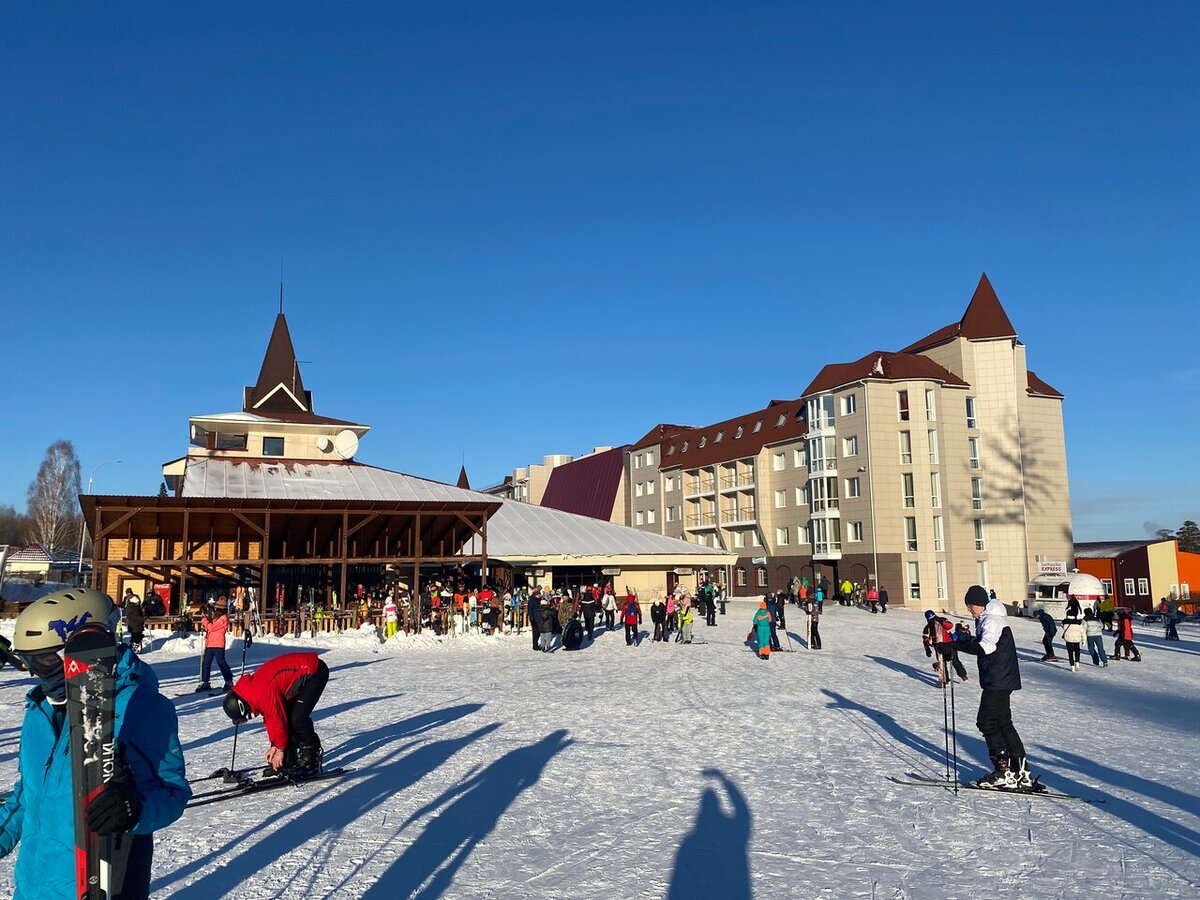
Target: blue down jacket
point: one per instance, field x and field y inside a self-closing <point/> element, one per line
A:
<point x="39" y="813"/>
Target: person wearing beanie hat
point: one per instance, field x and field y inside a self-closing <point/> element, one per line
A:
<point x="938" y="635"/>
<point x="996" y="652"/>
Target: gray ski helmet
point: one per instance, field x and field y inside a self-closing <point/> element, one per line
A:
<point x="236" y="708"/>
<point x="46" y="624"/>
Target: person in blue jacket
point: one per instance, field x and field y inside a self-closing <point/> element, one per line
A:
<point x="149" y="790"/>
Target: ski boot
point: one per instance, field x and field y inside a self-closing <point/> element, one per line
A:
<point x="1022" y="780"/>
<point x="203" y="688"/>
<point x="227" y="687"/>
<point x="1001" y="778"/>
<point x="286" y="770"/>
<point x="308" y="760"/>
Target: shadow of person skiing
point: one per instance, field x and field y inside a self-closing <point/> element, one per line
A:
<point x="462" y="817"/>
<point x="364" y="743"/>
<point x="714" y="858"/>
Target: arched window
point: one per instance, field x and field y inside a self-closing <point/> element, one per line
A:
<point x="761" y="572"/>
<point x="740" y="575"/>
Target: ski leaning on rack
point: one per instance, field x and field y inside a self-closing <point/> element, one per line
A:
<point x="266" y="783"/>
<point x="914" y="780"/>
<point x="89" y="659"/>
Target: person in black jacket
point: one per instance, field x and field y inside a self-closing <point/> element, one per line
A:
<point x="658" y="615"/>
<point x="135" y="619"/>
<point x="1049" y="629"/>
<point x="589" y="605"/>
<point x="531" y="610"/>
<point x="999" y="676"/>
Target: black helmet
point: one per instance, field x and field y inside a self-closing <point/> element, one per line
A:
<point x="237" y="708"/>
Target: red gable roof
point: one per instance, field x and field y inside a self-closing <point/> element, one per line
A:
<point x="882" y="366"/>
<point x="587" y="486"/>
<point x="984" y="318"/>
<point x="1039" y="388"/>
<point x="735" y="438"/>
<point x="658" y="434"/>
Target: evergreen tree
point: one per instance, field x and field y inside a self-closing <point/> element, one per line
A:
<point x="1188" y="536"/>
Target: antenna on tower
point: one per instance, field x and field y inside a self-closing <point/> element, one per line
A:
<point x="281" y="285"/>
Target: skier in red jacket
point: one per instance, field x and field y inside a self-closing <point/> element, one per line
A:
<point x="284" y="691"/>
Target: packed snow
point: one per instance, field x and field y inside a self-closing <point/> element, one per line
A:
<point x="481" y="769"/>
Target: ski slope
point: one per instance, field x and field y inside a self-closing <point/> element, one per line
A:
<point x="484" y="770"/>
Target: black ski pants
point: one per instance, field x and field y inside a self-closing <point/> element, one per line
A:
<point x="996" y="725"/>
<point x="300" y="708"/>
<point x="1072" y="654"/>
<point x="610" y="619"/>
<point x="589" y="622"/>
<point x="631" y="632"/>
<point x="1048" y="644"/>
<point x="660" y="633"/>
<point x="814" y="635"/>
<point x="533" y="624"/>
<point x="138" y="869"/>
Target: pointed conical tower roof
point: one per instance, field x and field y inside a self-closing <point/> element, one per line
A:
<point x="985" y="317"/>
<point x="462" y="479"/>
<point x="279" y="387"/>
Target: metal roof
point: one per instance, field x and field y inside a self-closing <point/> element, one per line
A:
<point x="302" y="480"/>
<point x="587" y="486"/>
<point x="523" y="531"/>
<point x="1108" y="549"/>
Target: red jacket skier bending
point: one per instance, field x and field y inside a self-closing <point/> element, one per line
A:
<point x="284" y="691"/>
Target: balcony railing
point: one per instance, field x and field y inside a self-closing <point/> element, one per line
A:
<point x="696" y="488"/>
<point x="701" y="520"/>
<point x="745" y="480"/>
<point x="827" y="549"/>
<point x="739" y="516"/>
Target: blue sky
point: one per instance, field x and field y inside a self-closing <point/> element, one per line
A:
<point x="515" y="229"/>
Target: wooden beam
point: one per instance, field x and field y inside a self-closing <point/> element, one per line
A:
<point x="119" y="522"/>
<point x="367" y="520"/>
<point x="249" y="523"/>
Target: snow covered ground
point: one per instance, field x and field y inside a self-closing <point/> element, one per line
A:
<point x="484" y="770"/>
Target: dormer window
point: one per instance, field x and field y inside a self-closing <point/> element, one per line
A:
<point x="683" y="449"/>
<point x="717" y="439"/>
<point x="779" y="422"/>
<point x="703" y="441"/>
<point x="737" y="434"/>
<point x="758" y="426"/>
<point x="671" y="450"/>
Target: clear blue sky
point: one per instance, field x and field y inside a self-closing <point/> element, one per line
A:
<point x="515" y="229"/>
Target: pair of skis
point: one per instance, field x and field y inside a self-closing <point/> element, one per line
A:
<point x="913" y="779"/>
<point x="241" y="785"/>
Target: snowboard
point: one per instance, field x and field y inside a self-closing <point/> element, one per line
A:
<point x="89" y="661"/>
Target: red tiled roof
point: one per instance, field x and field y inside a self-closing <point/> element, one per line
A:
<point x="1039" y="388"/>
<point x="587" y="486"/>
<point x="734" y="438"/>
<point x="657" y="435"/>
<point x="882" y="366"/>
<point x="984" y="318"/>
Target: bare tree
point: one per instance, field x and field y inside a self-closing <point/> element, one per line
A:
<point x="52" y="498"/>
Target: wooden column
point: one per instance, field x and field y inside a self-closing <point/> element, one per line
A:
<point x="483" y="570"/>
<point x="266" y="566"/>
<point x="184" y="567"/>
<point x="416" y="585"/>
<point x="345" y="557"/>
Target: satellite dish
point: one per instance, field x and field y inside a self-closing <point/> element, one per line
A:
<point x="345" y="444"/>
<point x="324" y="444"/>
<point x="194" y="433"/>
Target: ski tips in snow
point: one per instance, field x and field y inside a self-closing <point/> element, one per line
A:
<point x="1039" y="789"/>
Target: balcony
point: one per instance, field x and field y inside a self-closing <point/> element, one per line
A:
<point x="827" y="550"/>
<point x="817" y="468"/>
<point x="744" y="516"/>
<point x="701" y="521"/>
<point x="736" y="482"/>
<point x="825" y="509"/>
<point x="698" y="488"/>
<point x="820" y="425"/>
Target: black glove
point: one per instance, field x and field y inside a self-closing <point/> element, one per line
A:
<point x="115" y="809"/>
<point x="928" y="653"/>
<point x="248" y="640"/>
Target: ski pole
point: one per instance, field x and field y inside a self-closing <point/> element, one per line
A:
<point x="945" y="715"/>
<point x="953" y="733"/>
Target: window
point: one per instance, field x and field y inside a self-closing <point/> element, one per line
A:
<point x="976" y="493"/>
<point x="740" y="574"/>
<point x="1144" y="587"/>
<point x="1107" y="585"/>
<point x="849" y="404"/>
<point x="683" y="449"/>
<point x="938" y="539"/>
<point x="981" y="573"/>
<point x="780" y="499"/>
<point x="940" y="568"/>
<point x="781" y="421"/>
<point x="200" y="437"/>
<point x="1128" y="587"/>
<point x="902" y="405"/>
<point x="737" y="434"/>
<point x="798" y="458"/>
<point x="972" y="421"/>
<point x="930" y="406"/>
<point x="757" y="426"/>
<point x="232" y="441"/>
<point x="754" y="541"/>
<point x="739" y="539"/>
<point x="640" y="518"/>
<point x="800" y="499"/>
<point x="973" y="453"/>
<point x="782" y="537"/>
<point x="935" y="490"/>
<point x="649" y="487"/>
<point x="906" y="448"/>
<point x="649" y="517"/>
<point x="914" y="581"/>
<point x="702" y="442"/>
<point x="910" y="534"/>
<point x="649" y="457"/>
<point x="933" y="448"/>
<point x="906" y="488"/>
<point x="637" y="460"/>
<point x="670" y="513"/>
<point x="639" y="489"/>
<point x="719" y="437"/>
<point x="777" y="462"/>
<point x="272" y="446"/>
<point x="855" y="534"/>
<point x="850" y="446"/>
<point x="761" y="576"/>
<point x="671" y="450"/>
<point x="853" y="488"/>
<point x="669" y="483"/>
<point x="980" y="541"/>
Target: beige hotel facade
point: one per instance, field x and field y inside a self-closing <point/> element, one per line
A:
<point x="923" y="471"/>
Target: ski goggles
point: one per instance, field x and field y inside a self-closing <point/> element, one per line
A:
<point x="43" y="664"/>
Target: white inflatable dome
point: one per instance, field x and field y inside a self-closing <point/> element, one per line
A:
<point x="1085" y="587"/>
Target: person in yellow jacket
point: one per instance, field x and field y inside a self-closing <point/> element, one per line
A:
<point x="685" y="623"/>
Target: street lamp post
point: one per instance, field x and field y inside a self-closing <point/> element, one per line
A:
<point x="83" y="524"/>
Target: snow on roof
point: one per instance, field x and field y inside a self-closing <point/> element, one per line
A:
<point x="295" y="480"/>
<point x="524" y="531"/>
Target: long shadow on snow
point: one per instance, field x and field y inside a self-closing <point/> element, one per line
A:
<point x="367" y="789"/>
<point x="360" y="745"/>
<point x="905" y="669"/>
<point x="1153" y="824"/>
<point x="714" y="858"/>
<point x="463" y="816"/>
